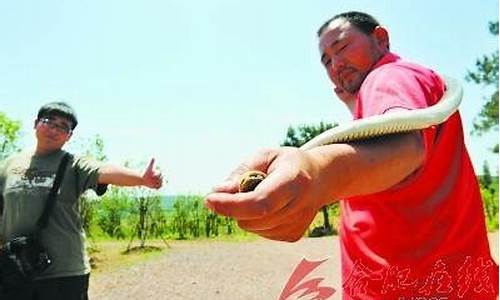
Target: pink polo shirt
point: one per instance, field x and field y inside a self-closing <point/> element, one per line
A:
<point x="425" y="237"/>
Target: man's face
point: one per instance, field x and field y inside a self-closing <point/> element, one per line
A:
<point x="348" y="54"/>
<point x="52" y="132"/>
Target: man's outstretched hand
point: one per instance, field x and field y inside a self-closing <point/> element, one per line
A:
<point x="151" y="177"/>
<point x="283" y="205"/>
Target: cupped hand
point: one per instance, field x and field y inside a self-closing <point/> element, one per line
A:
<point x="283" y="205"/>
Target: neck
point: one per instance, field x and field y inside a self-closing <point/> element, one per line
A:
<point x="41" y="151"/>
<point x="351" y="105"/>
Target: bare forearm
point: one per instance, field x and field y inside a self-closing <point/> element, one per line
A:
<point x="367" y="167"/>
<point x="121" y="176"/>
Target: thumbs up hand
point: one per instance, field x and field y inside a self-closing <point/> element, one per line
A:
<point x="151" y="177"/>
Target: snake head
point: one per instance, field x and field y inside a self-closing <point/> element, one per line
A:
<point x="250" y="179"/>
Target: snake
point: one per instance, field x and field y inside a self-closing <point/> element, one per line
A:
<point x="395" y="122"/>
<point x="391" y="123"/>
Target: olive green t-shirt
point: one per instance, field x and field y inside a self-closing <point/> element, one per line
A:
<point x="25" y="182"/>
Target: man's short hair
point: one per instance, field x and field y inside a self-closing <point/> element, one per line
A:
<point x="363" y="21"/>
<point x="60" y="109"/>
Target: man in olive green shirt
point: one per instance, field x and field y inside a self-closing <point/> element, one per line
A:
<point x="25" y="181"/>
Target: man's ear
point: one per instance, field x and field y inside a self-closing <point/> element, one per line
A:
<point x="34" y="123"/>
<point x="69" y="136"/>
<point x="382" y="37"/>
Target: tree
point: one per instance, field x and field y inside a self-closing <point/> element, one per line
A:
<point x="9" y="133"/>
<point x="113" y="211"/>
<point x="486" y="180"/>
<point x="150" y="216"/>
<point x="92" y="148"/>
<point x="146" y="212"/>
<point x="303" y="133"/>
<point x="486" y="73"/>
<point x="297" y="137"/>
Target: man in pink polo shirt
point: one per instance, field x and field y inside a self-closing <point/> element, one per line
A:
<point x="412" y="217"/>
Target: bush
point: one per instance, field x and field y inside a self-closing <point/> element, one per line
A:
<point x="490" y="201"/>
<point x="115" y="208"/>
<point x="190" y="219"/>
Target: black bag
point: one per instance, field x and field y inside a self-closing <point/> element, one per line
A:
<point x="23" y="258"/>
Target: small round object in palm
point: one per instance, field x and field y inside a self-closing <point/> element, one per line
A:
<point x="250" y="179"/>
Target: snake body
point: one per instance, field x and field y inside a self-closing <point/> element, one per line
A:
<point x="397" y="122"/>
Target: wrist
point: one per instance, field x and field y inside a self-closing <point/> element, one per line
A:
<point x="328" y="161"/>
<point x="142" y="181"/>
<point x="320" y="183"/>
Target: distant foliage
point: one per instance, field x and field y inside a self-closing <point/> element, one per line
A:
<point x="158" y="226"/>
<point x="121" y="214"/>
<point x="190" y="219"/>
<point x="114" y="210"/>
<point x="297" y="136"/>
<point x="486" y="74"/>
<point x="92" y="148"/>
<point x="147" y="216"/>
<point x="180" y="217"/>
<point x="490" y="199"/>
<point x="489" y="193"/>
<point x="9" y="134"/>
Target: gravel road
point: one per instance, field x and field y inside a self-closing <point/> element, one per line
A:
<point x="256" y="270"/>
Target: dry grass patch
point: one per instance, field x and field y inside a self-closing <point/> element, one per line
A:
<point x="109" y="255"/>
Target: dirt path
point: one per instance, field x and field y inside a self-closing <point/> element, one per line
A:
<point x="223" y="270"/>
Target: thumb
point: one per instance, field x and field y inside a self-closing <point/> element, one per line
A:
<point x="149" y="169"/>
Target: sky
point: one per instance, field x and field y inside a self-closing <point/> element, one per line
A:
<point x="202" y="85"/>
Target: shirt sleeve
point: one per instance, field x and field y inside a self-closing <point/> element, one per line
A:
<point x="87" y="171"/>
<point x="394" y="88"/>
<point x="399" y="87"/>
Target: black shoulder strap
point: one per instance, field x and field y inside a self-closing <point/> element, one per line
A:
<point x="51" y="198"/>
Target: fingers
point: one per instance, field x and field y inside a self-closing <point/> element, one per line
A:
<point x="152" y="170"/>
<point x="272" y="194"/>
<point x="157" y="181"/>
<point x="287" y="232"/>
<point x="290" y="230"/>
<point x="228" y="186"/>
<point x="154" y="182"/>
<point x="293" y="211"/>
<point x="158" y="184"/>
<point x="259" y="162"/>
<point x="282" y="206"/>
<point x="343" y="94"/>
<point x="238" y="205"/>
<point x="153" y="178"/>
<point x="338" y="90"/>
<point x="282" y="186"/>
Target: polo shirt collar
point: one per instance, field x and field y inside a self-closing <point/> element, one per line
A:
<point x="389" y="57"/>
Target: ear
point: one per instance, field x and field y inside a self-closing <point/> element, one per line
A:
<point x="34" y="123"/>
<point x="382" y="37"/>
<point x="68" y="137"/>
